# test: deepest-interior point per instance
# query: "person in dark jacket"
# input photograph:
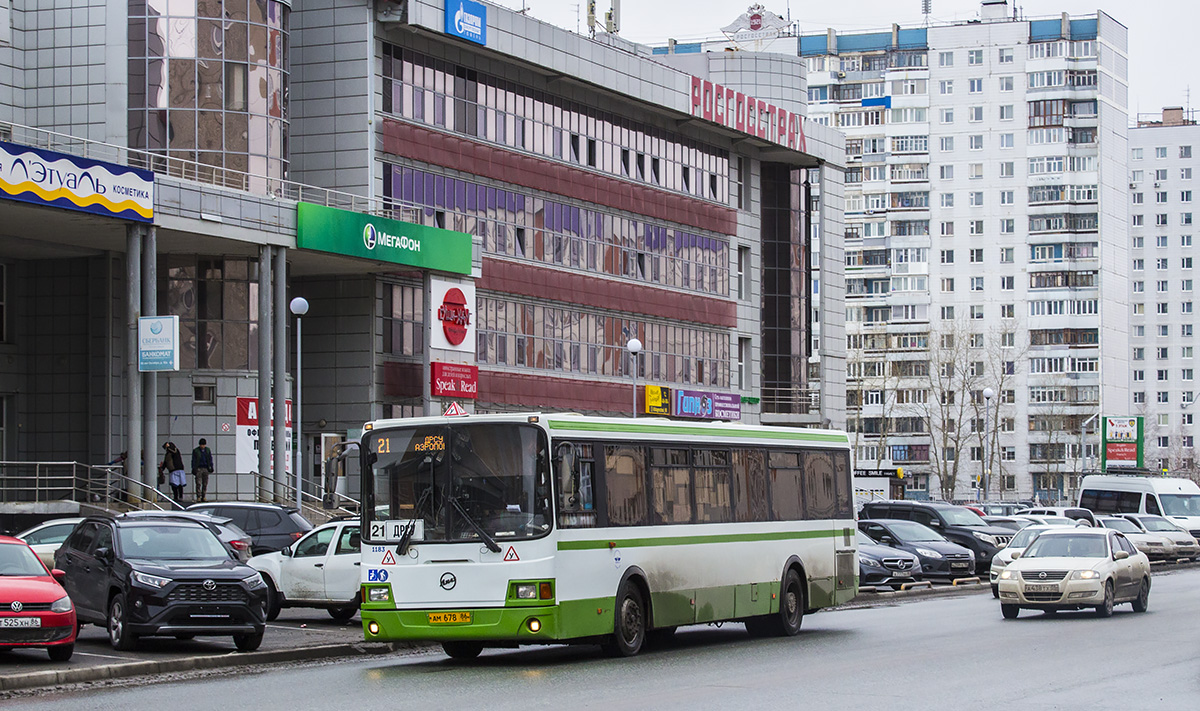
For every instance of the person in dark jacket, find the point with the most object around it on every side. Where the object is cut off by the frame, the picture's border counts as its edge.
(202, 466)
(172, 464)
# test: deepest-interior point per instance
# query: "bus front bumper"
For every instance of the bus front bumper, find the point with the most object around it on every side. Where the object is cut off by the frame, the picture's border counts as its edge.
(522, 625)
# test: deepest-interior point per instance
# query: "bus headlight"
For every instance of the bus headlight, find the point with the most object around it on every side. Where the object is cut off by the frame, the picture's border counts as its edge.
(378, 595)
(527, 591)
(373, 627)
(535, 625)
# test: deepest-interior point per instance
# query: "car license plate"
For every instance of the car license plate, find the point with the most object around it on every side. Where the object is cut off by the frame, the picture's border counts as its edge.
(958, 565)
(1041, 588)
(449, 618)
(20, 622)
(903, 573)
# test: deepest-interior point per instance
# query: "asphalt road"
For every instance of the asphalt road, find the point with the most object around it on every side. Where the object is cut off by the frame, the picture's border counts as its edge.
(935, 653)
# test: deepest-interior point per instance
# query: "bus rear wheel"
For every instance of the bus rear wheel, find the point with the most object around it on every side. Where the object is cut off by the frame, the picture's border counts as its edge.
(629, 625)
(462, 650)
(787, 621)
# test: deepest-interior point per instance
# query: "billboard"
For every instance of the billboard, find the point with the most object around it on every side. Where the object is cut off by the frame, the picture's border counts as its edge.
(1122, 439)
(247, 436)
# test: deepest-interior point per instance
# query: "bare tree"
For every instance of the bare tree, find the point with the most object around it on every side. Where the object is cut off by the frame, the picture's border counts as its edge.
(1004, 356)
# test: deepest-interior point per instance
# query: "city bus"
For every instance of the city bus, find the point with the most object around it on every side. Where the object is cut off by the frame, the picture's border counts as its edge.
(520, 529)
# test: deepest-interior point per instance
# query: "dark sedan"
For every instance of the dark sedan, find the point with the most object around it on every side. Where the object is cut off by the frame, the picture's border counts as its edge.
(939, 557)
(884, 566)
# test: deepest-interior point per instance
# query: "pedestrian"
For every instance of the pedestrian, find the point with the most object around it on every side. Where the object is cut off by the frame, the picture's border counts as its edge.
(202, 466)
(172, 465)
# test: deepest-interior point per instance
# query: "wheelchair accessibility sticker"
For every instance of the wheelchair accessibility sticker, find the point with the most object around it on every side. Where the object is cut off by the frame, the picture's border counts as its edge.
(375, 575)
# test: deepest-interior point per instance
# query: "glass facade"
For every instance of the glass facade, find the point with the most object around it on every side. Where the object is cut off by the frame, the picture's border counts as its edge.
(518, 224)
(208, 82)
(430, 91)
(217, 303)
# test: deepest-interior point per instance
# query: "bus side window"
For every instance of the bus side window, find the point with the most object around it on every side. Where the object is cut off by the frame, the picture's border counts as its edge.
(1152, 505)
(574, 467)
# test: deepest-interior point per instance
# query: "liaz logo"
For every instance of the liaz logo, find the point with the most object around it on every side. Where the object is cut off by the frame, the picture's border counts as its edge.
(156, 327)
(369, 238)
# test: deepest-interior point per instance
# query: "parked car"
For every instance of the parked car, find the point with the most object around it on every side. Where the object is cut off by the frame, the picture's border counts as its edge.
(140, 576)
(1079, 514)
(1076, 568)
(1185, 543)
(35, 610)
(1046, 520)
(939, 557)
(885, 566)
(46, 537)
(1155, 547)
(271, 526)
(235, 540)
(1019, 542)
(319, 570)
(1010, 522)
(1003, 508)
(956, 523)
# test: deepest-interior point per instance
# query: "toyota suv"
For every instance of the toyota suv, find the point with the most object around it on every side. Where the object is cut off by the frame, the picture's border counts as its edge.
(957, 523)
(141, 576)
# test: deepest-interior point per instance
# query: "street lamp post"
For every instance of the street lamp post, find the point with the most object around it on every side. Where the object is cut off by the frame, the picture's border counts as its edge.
(299, 307)
(988, 394)
(635, 346)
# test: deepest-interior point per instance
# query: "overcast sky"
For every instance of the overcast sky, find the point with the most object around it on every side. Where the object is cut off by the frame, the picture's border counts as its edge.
(1161, 65)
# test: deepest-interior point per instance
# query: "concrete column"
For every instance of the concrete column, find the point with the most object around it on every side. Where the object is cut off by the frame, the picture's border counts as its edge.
(279, 430)
(133, 378)
(264, 371)
(427, 405)
(150, 308)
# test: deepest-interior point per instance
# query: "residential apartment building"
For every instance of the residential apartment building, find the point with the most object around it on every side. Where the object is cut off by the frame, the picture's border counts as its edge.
(986, 245)
(1163, 152)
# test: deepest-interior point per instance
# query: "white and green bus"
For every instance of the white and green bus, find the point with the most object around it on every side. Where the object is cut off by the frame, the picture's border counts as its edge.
(505, 530)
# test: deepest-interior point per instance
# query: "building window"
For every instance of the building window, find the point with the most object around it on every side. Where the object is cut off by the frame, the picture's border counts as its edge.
(1160, 152)
(975, 171)
(947, 115)
(1008, 311)
(1005, 55)
(1006, 196)
(946, 87)
(216, 301)
(945, 59)
(946, 172)
(974, 56)
(946, 143)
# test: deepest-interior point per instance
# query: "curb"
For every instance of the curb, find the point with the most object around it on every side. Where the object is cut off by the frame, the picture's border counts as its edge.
(12, 682)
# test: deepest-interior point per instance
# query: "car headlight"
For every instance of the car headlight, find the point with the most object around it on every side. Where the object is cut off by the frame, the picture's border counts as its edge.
(151, 581)
(254, 581)
(986, 538)
(1009, 574)
(62, 604)
(1085, 575)
(378, 595)
(867, 560)
(928, 553)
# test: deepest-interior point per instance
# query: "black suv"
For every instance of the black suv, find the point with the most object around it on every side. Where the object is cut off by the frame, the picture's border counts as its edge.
(142, 576)
(960, 524)
(271, 527)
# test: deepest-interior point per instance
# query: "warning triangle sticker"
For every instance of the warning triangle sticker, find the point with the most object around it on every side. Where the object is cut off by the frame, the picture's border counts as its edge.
(511, 555)
(388, 559)
(455, 410)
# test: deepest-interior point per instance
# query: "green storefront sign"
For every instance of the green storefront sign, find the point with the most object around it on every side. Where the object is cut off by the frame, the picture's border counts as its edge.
(354, 234)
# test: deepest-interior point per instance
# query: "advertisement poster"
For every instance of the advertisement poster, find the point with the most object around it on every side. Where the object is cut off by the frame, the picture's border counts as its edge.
(1122, 442)
(247, 436)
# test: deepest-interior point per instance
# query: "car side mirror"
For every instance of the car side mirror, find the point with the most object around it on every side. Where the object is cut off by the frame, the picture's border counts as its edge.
(59, 575)
(286, 551)
(105, 554)
(887, 540)
(935, 523)
(1016, 554)
(1120, 555)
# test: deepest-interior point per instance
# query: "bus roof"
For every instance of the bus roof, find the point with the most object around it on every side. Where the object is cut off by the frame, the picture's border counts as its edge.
(599, 427)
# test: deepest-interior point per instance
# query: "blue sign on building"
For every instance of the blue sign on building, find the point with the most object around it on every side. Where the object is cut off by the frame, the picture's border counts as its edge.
(467, 19)
(158, 343)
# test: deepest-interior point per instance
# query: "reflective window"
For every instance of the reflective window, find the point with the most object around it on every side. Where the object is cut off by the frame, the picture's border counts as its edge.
(428, 90)
(216, 301)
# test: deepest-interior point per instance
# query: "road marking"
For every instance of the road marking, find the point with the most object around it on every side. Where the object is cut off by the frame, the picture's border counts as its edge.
(105, 656)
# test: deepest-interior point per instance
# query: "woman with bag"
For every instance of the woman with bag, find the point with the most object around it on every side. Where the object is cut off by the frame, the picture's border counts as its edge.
(172, 464)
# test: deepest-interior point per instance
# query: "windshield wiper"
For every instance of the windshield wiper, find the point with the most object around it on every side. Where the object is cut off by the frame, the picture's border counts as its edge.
(411, 528)
(488, 540)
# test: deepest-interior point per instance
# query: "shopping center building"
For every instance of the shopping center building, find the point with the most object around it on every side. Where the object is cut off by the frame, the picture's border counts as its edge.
(479, 208)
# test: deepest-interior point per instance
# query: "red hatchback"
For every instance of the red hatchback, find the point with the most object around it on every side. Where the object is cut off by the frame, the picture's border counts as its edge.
(34, 609)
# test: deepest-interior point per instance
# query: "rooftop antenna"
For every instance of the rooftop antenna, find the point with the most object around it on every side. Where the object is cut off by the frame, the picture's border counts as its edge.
(926, 9)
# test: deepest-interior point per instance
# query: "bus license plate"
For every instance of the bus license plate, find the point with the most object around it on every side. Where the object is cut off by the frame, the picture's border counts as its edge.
(1041, 588)
(449, 618)
(20, 622)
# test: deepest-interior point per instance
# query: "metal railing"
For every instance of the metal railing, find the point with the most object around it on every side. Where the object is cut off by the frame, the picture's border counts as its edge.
(791, 401)
(104, 486)
(265, 489)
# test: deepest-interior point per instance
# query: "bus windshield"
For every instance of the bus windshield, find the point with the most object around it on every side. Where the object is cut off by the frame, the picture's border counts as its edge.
(468, 482)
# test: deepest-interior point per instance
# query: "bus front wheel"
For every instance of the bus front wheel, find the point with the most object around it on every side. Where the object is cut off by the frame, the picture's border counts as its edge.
(629, 625)
(462, 650)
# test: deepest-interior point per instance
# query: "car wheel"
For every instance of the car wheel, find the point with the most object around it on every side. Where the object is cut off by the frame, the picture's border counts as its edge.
(1106, 609)
(274, 601)
(118, 627)
(248, 642)
(1142, 601)
(629, 628)
(1010, 612)
(61, 653)
(462, 650)
(996, 592)
(343, 613)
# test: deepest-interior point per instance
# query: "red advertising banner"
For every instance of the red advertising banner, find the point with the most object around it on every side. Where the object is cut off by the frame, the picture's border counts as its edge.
(455, 380)
(1121, 454)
